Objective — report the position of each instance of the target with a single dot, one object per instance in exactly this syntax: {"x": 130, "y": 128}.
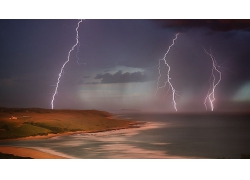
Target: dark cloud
{"x": 222, "y": 25}
{"x": 120, "y": 77}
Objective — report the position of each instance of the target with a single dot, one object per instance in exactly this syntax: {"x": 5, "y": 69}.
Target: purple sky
{"x": 119, "y": 64}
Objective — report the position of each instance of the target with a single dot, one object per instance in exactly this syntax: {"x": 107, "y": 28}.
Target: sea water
{"x": 163, "y": 136}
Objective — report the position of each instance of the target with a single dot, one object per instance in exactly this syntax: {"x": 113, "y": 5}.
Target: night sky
{"x": 118, "y": 64}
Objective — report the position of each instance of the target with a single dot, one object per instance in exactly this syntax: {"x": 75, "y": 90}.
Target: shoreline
{"x": 129, "y": 126}
{"x": 39, "y": 154}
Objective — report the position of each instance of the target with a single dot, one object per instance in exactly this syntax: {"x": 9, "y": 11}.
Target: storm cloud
{"x": 122, "y": 63}
{"x": 221, "y": 25}
{"x": 120, "y": 77}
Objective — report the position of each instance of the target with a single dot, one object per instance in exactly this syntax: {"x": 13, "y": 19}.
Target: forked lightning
{"x": 210, "y": 95}
{"x": 60, "y": 74}
{"x": 168, "y": 76}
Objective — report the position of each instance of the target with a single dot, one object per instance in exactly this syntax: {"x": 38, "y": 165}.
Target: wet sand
{"x": 28, "y": 152}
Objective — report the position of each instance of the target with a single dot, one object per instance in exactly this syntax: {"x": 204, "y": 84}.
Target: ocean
{"x": 184, "y": 136}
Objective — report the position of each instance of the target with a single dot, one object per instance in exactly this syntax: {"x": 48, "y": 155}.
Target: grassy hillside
{"x": 34, "y": 121}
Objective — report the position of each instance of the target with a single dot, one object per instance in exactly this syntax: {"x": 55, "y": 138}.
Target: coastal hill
{"x": 25, "y": 122}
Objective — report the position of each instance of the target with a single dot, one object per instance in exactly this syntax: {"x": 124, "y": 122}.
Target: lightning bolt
{"x": 78, "y": 47}
{"x": 213, "y": 83}
{"x": 60, "y": 74}
{"x": 168, "y": 76}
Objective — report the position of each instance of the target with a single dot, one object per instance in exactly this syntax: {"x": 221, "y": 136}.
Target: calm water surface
{"x": 164, "y": 136}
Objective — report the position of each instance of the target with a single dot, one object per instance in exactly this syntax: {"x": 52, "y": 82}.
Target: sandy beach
{"x": 35, "y": 123}
{"x": 36, "y": 154}
{"x": 28, "y": 152}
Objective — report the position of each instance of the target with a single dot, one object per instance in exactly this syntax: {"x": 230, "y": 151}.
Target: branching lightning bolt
{"x": 168, "y": 76}
{"x": 78, "y": 47}
{"x": 210, "y": 95}
{"x": 60, "y": 74}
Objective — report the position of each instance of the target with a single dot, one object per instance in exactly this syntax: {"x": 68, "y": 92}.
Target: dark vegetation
{"x": 35, "y": 121}
{"x": 11, "y": 156}
{"x": 242, "y": 156}
{"x": 245, "y": 156}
